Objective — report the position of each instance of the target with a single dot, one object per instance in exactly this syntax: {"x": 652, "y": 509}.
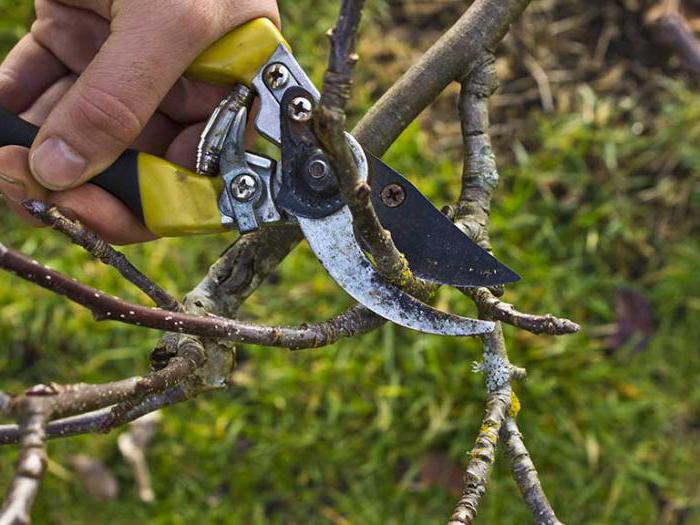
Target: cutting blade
{"x": 333, "y": 242}
{"x": 435, "y": 248}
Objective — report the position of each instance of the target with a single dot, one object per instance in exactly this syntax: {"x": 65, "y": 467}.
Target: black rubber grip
{"x": 121, "y": 179}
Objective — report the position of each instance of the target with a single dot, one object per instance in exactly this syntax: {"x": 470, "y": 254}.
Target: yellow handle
{"x": 176, "y": 201}
{"x": 237, "y": 58}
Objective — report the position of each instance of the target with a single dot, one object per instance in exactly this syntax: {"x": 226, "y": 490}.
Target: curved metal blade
{"x": 436, "y": 249}
{"x": 333, "y": 242}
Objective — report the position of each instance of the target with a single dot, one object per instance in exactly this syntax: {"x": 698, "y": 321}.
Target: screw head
{"x": 300, "y": 109}
{"x": 244, "y": 187}
{"x": 276, "y": 76}
{"x": 393, "y": 195}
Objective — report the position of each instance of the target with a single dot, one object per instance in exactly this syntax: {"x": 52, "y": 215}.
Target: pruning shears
{"x": 236, "y": 189}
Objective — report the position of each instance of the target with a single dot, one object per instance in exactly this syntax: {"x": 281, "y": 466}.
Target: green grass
{"x": 337, "y": 435}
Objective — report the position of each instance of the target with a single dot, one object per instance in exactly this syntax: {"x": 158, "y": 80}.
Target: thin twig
{"x": 4, "y": 403}
{"x": 525, "y": 474}
{"x": 190, "y": 356}
{"x": 31, "y": 464}
{"x": 61, "y": 401}
{"x": 536, "y": 324}
{"x": 98, "y": 248}
{"x": 330, "y": 122}
{"x": 479, "y": 180}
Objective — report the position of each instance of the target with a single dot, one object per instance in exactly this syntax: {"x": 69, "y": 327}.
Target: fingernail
{"x": 56, "y": 165}
{"x": 12, "y": 189}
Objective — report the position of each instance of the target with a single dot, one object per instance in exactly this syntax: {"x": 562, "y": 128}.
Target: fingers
{"x": 157, "y": 135}
{"x": 191, "y": 101}
{"x": 237, "y": 12}
{"x": 97, "y": 209}
{"x": 73, "y": 35}
{"x": 16, "y": 183}
{"x": 110, "y": 104}
{"x": 26, "y": 72}
{"x": 40, "y": 109}
{"x": 103, "y": 214}
{"x": 183, "y": 149}
{"x": 100, "y": 7}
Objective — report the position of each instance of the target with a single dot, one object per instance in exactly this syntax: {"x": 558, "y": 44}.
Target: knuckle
{"x": 194, "y": 16}
{"x": 102, "y": 113}
{"x": 8, "y": 80}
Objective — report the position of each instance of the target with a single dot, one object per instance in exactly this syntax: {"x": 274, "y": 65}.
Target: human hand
{"x": 101, "y": 76}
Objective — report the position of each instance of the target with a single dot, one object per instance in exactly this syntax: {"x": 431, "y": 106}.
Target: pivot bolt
{"x": 393, "y": 195}
{"x": 276, "y": 76}
{"x": 318, "y": 175}
{"x": 318, "y": 169}
{"x": 244, "y": 187}
{"x": 300, "y": 109}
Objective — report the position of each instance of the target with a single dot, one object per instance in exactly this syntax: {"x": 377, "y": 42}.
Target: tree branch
{"x": 525, "y": 474}
{"x": 481, "y": 27}
{"x": 330, "y": 122}
{"x": 108, "y": 308}
{"x": 96, "y": 421}
{"x": 480, "y": 178}
{"x": 671, "y": 28}
{"x": 497, "y": 372}
{"x": 190, "y": 356}
{"x": 60, "y": 401}
{"x": 31, "y": 464}
{"x": 98, "y": 248}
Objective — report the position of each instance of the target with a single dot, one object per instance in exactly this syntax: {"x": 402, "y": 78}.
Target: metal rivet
{"x": 393, "y": 195}
{"x": 300, "y": 109}
{"x": 244, "y": 187}
{"x": 276, "y": 76}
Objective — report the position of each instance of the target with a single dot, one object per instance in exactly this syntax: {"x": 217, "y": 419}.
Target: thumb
{"x": 110, "y": 104}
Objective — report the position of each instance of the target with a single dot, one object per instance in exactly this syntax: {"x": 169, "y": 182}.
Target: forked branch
{"x": 480, "y": 179}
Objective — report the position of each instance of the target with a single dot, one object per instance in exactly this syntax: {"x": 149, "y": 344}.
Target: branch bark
{"x": 98, "y": 248}
{"x": 96, "y": 421}
{"x": 31, "y": 465}
{"x": 525, "y": 474}
{"x": 497, "y": 372}
{"x": 498, "y": 310}
{"x": 107, "y": 308}
{"x": 480, "y": 179}
{"x": 330, "y": 122}
{"x": 481, "y": 27}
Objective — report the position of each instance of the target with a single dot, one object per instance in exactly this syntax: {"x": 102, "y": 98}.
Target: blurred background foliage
{"x": 597, "y": 128}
